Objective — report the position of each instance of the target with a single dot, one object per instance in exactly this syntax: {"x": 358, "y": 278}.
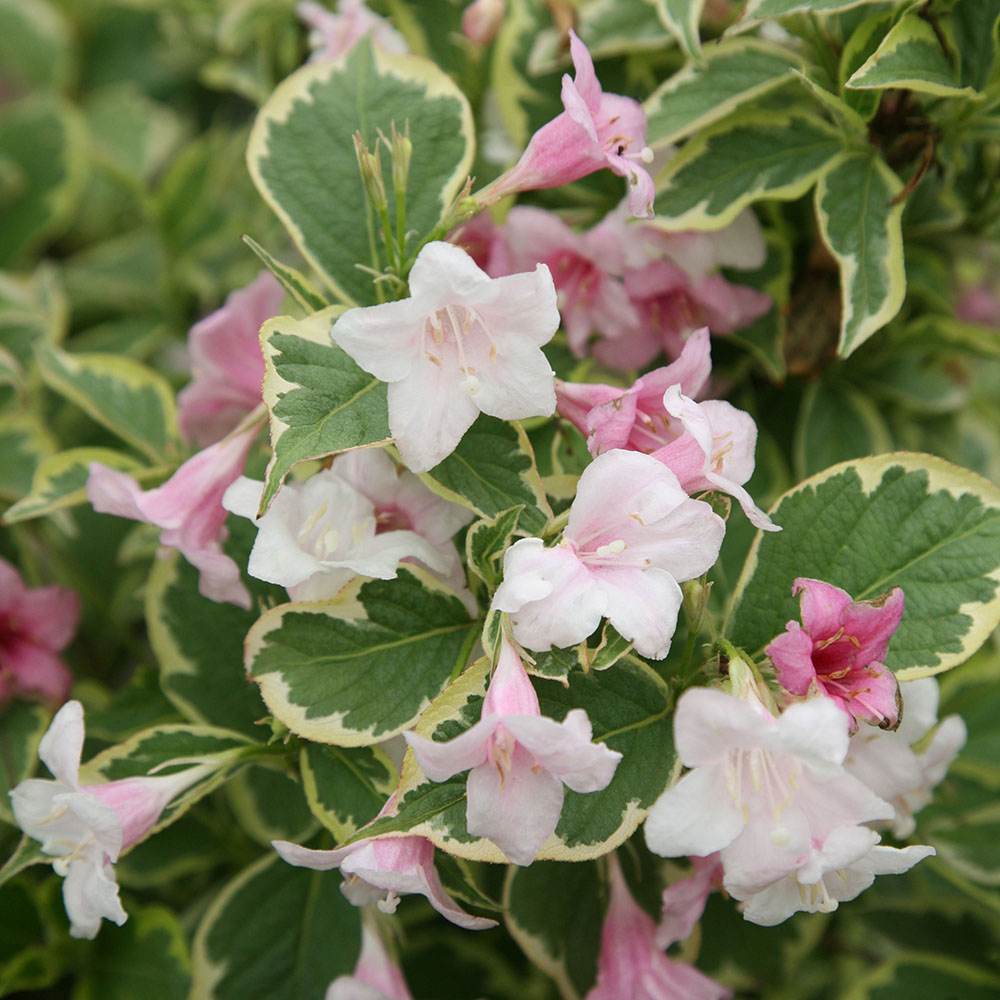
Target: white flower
{"x": 632, "y": 534}
{"x": 887, "y": 763}
{"x": 319, "y": 534}
{"x": 463, "y": 343}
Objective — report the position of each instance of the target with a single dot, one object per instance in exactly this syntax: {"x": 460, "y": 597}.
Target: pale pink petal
{"x": 510, "y": 691}
{"x": 98, "y": 818}
{"x": 304, "y": 857}
{"x": 376, "y": 976}
{"x": 48, "y": 614}
{"x": 440, "y": 760}
{"x": 709, "y": 723}
{"x": 683, "y": 902}
{"x": 873, "y": 623}
{"x": 643, "y": 606}
{"x": 696, "y": 816}
{"x": 741, "y": 244}
{"x": 517, "y": 811}
{"x": 481, "y": 20}
{"x": 383, "y": 339}
{"x": 726, "y": 307}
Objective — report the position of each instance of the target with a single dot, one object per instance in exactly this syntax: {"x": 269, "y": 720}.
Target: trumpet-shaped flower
{"x": 887, "y": 763}
{"x": 376, "y": 976}
{"x": 35, "y": 624}
{"x": 519, "y": 762}
{"x": 631, "y": 963}
{"x": 838, "y": 870}
{"x": 633, "y": 535}
{"x": 462, "y": 344}
{"x": 840, "y": 647}
{"x": 596, "y": 130}
{"x": 765, "y": 792}
{"x": 227, "y": 362}
{"x": 188, "y": 507}
{"x": 86, "y": 827}
{"x": 683, "y": 902}
{"x": 381, "y": 869}
{"x": 317, "y": 535}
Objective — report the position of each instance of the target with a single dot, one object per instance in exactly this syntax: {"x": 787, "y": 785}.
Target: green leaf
{"x": 189, "y": 847}
{"x": 24, "y": 444}
{"x": 27, "y": 959}
{"x": 146, "y": 957}
{"x": 60, "y": 480}
{"x": 840, "y": 108}
{"x": 973, "y": 26}
{"x": 555, "y": 912}
{"x": 275, "y": 931}
{"x": 486, "y": 541}
{"x": 22, "y": 725}
{"x": 128, "y": 398}
{"x": 491, "y": 471}
{"x": 837, "y": 423}
{"x": 27, "y": 853}
{"x": 861, "y": 227}
{"x": 292, "y": 280}
{"x": 858, "y": 49}
{"x": 611, "y": 28}
{"x": 749, "y": 156}
{"x": 628, "y": 706}
{"x": 301, "y": 155}
{"x": 607, "y": 650}
{"x": 756, "y": 10}
{"x": 906, "y": 520}
{"x": 910, "y": 57}
{"x": 923, "y": 974}
{"x": 346, "y": 786}
{"x": 198, "y": 643}
{"x": 681, "y": 18}
{"x": 731, "y": 74}
{"x": 34, "y": 45}
{"x": 360, "y": 668}
{"x": 320, "y": 401}
{"x": 270, "y": 805}
{"x": 42, "y": 157}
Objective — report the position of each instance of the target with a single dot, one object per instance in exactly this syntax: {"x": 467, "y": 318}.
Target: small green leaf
{"x": 360, "y": 668}
{"x": 902, "y": 519}
{"x": 128, "y": 398}
{"x": 730, "y": 75}
{"x": 301, "y": 156}
{"x": 292, "y": 280}
{"x": 61, "y": 480}
{"x": 749, "y": 156}
{"x": 612, "y": 28}
{"x": 862, "y": 229}
{"x": 756, "y": 10}
{"x": 320, "y": 401}
{"x": 22, "y": 725}
{"x": 858, "y": 49}
{"x": 487, "y": 540}
{"x": 346, "y": 786}
{"x": 27, "y": 853}
{"x": 974, "y": 29}
{"x": 24, "y": 444}
{"x": 275, "y": 931}
{"x": 491, "y": 471}
{"x": 910, "y": 57}
{"x": 681, "y": 18}
{"x": 555, "y": 912}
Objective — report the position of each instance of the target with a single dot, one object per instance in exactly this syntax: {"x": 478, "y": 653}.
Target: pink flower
{"x": 841, "y": 646}
{"x": 633, "y": 535}
{"x": 632, "y": 965}
{"x": 708, "y": 445}
{"x": 887, "y": 763}
{"x": 461, "y": 345}
{"x": 684, "y": 900}
{"x": 380, "y": 869}
{"x": 481, "y": 20}
{"x": 765, "y": 792}
{"x": 520, "y": 761}
{"x": 334, "y": 34}
{"x": 596, "y": 130}
{"x": 227, "y": 362}
{"x": 188, "y": 507}
{"x": 583, "y": 267}
{"x": 86, "y": 827}
{"x": 375, "y": 977}
{"x": 35, "y": 624}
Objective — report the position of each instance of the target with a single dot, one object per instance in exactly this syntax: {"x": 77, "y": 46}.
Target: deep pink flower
{"x": 227, "y": 362}
{"x": 520, "y": 761}
{"x": 380, "y": 869}
{"x": 631, "y": 963}
{"x": 596, "y": 130}
{"x": 35, "y": 624}
{"x": 188, "y": 507}
{"x": 841, "y": 646}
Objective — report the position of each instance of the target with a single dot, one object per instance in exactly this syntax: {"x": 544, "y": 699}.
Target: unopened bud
{"x": 370, "y": 166}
